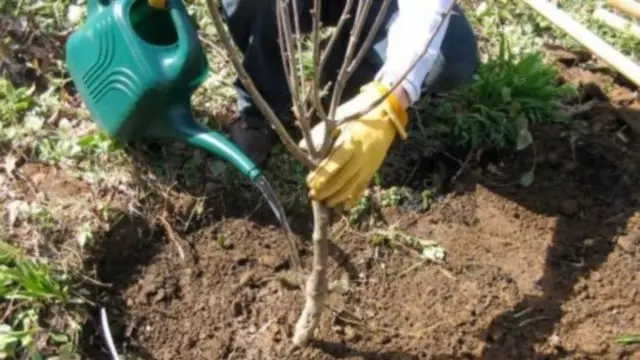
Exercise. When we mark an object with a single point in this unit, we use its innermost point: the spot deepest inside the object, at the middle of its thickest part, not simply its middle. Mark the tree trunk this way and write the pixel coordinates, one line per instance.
(316, 288)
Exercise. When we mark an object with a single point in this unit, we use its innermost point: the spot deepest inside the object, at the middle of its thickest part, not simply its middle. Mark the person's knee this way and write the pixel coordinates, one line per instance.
(459, 57)
(468, 63)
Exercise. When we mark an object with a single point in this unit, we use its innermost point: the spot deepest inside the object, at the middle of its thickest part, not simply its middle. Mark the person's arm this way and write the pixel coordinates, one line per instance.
(415, 23)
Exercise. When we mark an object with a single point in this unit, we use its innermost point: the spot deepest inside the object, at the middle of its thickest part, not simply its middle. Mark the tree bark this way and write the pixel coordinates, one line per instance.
(317, 285)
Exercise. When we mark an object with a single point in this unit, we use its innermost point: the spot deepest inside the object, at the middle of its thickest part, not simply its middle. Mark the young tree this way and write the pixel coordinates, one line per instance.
(314, 102)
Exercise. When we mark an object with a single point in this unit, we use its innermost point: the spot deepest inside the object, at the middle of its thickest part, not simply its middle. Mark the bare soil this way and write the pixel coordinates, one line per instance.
(549, 271)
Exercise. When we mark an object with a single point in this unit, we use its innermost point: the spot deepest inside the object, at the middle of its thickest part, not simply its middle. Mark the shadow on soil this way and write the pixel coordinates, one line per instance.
(591, 196)
(589, 183)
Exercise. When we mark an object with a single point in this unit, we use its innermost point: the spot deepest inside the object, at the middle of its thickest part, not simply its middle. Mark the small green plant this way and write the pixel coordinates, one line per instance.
(33, 287)
(394, 196)
(428, 250)
(629, 339)
(364, 207)
(13, 102)
(510, 92)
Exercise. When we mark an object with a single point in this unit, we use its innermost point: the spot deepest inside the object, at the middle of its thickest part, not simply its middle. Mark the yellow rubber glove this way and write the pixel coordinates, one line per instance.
(359, 149)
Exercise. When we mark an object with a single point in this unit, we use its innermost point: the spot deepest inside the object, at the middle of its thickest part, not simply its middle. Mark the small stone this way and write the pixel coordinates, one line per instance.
(350, 334)
(270, 261)
(629, 242)
(553, 158)
(159, 296)
(569, 207)
(245, 279)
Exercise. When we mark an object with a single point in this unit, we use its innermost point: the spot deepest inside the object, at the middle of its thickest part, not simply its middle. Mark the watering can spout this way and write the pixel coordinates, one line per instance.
(212, 142)
(136, 67)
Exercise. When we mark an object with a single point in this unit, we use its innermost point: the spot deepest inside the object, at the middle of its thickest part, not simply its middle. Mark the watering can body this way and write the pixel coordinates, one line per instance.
(136, 68)
(131, 62)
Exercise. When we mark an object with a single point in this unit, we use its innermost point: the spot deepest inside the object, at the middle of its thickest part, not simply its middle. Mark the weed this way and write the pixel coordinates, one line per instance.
(14, 102)
(628, 339)
(427, 249)
(33, 288)
(510, 92)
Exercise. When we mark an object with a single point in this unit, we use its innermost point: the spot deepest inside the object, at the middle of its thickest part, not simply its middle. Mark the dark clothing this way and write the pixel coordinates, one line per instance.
(253, 26)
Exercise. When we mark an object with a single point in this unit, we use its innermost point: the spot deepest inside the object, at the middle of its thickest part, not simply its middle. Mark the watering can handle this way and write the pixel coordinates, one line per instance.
(188, 39)
(95, 6)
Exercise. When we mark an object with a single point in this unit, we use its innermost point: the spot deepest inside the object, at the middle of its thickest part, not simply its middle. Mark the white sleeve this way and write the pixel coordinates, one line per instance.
(414, 24)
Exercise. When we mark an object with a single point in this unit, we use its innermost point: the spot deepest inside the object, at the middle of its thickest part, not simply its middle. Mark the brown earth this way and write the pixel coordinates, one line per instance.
(548, 271)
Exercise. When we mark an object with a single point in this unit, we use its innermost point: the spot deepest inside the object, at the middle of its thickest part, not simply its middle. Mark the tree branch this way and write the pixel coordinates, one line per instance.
(266, 110)
(317, 72)
(361, 15)
(414, 62)
(348, 67)
(290, 62)
(316, 286)
(319, 69)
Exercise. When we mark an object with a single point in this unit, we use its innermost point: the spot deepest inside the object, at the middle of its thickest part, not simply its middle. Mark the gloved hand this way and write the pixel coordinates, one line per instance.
(359, 149)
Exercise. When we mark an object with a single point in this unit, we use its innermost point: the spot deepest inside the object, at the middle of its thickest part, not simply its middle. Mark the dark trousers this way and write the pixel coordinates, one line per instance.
(253, 26)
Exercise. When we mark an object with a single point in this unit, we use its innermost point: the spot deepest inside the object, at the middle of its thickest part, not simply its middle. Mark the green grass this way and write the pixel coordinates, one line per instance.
(511, 91)
(32, 290)
(528, 30)
(629, 339)
(515, 88)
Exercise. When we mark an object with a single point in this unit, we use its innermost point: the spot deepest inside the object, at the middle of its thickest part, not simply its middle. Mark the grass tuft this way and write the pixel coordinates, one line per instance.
(510, 92)
(34, 292)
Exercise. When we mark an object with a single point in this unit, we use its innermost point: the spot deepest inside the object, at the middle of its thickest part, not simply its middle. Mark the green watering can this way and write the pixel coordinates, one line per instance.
(136, 68)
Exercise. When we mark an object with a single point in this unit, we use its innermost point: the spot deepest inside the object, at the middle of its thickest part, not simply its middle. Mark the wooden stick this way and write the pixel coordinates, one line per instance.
(616, 22)
(630, 7)
(588, 39)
